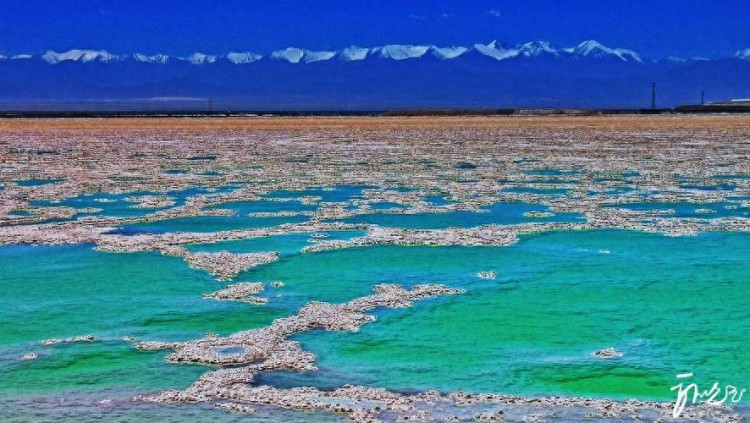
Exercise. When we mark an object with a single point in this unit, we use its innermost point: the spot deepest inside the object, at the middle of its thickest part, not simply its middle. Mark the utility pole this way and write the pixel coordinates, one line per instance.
(210, 105)
(703, 97)
(653, 95)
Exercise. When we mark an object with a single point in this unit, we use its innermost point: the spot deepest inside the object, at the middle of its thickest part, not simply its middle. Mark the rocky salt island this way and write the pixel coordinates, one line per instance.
(240, 292)
(224, 265)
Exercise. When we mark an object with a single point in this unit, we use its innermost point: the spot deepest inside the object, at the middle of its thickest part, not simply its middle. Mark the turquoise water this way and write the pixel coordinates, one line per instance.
(386, 206)
(211, 223)
(716, 187)
(20, 213)
(685, 209)
(671, 305)
(59, 292)
(438, 200)
(737, 176)
(114, 205)
(287, 245)
(37, 182)
(247, 207)
(242, 210)
(338, 193)
(498, 214)
(240, 219)
(720, 183)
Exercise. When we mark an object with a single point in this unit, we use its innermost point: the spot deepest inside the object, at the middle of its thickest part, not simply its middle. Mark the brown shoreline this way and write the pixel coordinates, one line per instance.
(377, 122)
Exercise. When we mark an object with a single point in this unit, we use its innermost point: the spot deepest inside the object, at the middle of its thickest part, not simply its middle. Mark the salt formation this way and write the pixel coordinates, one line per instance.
(623, 160)
(224, 265)
(71, 340)
(240, 292)
(600, 169)
(260, 344)
(538, 215)
(151, 201)
(81, 338)
(607, 353)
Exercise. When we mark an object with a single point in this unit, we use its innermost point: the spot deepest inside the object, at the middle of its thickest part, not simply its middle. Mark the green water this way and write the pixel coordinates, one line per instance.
(671, 305)
(59, 292)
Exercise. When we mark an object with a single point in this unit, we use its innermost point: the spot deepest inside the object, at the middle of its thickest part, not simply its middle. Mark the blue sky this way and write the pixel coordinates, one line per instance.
(655, 28)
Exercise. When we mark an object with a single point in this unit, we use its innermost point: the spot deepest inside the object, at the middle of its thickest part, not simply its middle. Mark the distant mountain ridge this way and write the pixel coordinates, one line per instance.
(492, 75)
(494, 49)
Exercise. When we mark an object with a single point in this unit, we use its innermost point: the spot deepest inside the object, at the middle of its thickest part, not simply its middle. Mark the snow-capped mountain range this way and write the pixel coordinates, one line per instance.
(494, 49)
(493, 75)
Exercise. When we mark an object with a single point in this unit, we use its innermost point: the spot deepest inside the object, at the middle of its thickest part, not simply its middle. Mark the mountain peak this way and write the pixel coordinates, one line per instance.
(200, 58)
(157, 58)
(400, 51)
(496, 50)
(84, 56)
(352, 53)
(593, 48)
(289, 54)
(317, 56)
(589, 46)
(242, 58)
(536, 48)
(297, 55)
(448, 52)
